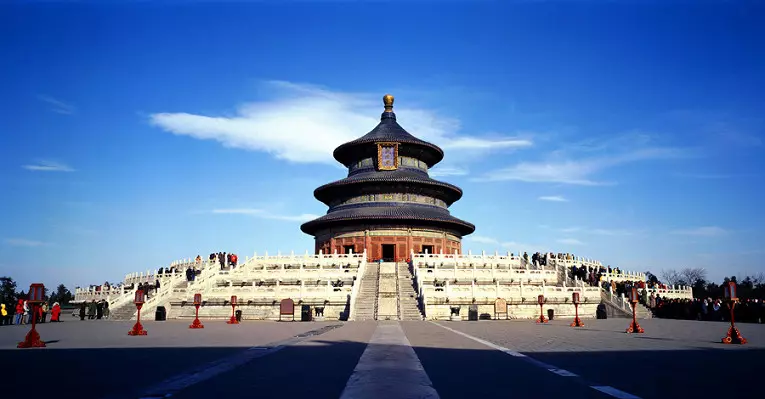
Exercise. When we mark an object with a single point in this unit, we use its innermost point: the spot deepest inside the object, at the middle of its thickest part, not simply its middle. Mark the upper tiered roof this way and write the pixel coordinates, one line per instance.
(388, 130)
(377, 177)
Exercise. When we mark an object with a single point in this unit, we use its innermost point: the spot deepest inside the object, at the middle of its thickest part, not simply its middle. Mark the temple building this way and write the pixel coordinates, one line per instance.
(388, 205)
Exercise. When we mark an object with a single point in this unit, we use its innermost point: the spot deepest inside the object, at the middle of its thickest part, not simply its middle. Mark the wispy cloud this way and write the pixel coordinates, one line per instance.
(581, 171)
(58, 106)
(48, 166)
(594, 231)
(445, 171)
(506, 245)
(570, 241)
(264, 214)
(280, 125)
(705, 231)
(23, 242)
(553, 198)
(711, 176)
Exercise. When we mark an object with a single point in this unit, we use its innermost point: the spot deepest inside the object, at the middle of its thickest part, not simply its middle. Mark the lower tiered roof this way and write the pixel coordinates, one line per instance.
(392, 213)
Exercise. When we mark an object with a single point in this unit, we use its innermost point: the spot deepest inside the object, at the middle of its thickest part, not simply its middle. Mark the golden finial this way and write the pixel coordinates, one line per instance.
(388, 101)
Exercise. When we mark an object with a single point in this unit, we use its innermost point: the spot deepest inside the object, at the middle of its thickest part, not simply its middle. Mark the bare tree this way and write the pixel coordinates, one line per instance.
(692, 275)
(670, 277)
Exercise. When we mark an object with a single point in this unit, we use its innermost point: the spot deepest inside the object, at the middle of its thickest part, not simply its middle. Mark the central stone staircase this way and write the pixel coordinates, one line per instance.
(408, 308)
(365, 307)
(123, 312)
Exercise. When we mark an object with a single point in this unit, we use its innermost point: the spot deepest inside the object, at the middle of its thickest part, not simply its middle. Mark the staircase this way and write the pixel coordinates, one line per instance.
(618, 307)
(122, 312)
(366, 301)
(408, 308)
(128, 311)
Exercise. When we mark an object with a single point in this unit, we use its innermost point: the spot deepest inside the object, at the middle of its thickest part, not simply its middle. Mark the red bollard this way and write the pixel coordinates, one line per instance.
(733, 336)
(32, 339)
(634, 326)
(577, 322)
(137, 327)
(233, 320)
(541, 301)
(197, 303)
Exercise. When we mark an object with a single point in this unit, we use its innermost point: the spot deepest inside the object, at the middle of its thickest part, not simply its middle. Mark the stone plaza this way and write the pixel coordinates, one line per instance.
(392, 359)
(388, 306)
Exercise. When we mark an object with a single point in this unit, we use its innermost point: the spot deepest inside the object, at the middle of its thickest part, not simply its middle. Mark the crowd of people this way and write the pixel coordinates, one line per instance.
(94, 310)
(708, 309)
(24, 313)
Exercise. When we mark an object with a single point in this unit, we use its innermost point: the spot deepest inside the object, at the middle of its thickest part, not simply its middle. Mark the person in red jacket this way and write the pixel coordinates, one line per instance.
(55, 312)
(19, 311)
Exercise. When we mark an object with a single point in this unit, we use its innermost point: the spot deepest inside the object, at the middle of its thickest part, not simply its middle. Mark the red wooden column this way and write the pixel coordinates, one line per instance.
(409, 244)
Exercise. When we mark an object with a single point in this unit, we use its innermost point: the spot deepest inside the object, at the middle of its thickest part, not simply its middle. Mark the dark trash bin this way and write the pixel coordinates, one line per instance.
(550, 314)
(473, 313)
(305, 313)
(160, 314)
(601, 312)
(238, 314)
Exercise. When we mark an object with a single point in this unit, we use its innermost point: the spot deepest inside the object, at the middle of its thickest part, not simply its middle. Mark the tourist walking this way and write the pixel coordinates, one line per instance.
(55, 312)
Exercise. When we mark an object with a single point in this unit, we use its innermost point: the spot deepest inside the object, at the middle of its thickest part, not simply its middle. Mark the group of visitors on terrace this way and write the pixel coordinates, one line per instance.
(224, 259)
(23, 313)
(94, 310)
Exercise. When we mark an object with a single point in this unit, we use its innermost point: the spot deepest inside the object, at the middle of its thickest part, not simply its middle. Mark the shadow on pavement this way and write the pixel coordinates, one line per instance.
(320, 369)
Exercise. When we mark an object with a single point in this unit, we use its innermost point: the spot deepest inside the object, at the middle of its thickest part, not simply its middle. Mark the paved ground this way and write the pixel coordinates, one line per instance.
(485, 359)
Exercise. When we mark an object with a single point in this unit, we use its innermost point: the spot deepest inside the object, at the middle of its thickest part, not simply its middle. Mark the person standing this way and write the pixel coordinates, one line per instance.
(82, 310)
(55, 313)
(43, 312)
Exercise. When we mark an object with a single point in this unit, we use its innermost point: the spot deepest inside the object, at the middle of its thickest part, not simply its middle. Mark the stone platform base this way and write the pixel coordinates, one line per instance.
(519, 311)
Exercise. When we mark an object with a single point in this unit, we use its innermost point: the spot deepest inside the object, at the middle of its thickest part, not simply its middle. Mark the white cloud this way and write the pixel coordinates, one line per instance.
(511, 246)
(48, 166)
(23, 242)
(595, 231)
(58, 105)
(482, 239)
(445, 171)
(304, 123)
(705, 231)
(570, 241)
(553, 198)
(559, 167)
(263, 214)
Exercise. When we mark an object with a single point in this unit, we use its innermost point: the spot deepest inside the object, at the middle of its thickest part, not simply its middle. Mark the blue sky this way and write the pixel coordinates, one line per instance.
(136, 134)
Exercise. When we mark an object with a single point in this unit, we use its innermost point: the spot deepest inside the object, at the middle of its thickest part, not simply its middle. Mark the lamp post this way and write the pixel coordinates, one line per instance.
(577, 321)
(197, 304)
(233, 319)
(137, 327)
(733, 336)
(541, 301)
(634, 326)
(32, 340)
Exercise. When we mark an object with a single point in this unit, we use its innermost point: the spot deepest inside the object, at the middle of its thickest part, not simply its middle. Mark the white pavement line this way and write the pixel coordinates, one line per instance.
(561, 372)
(389, 368)
(614, 392)
(167, 388)
(487, 343)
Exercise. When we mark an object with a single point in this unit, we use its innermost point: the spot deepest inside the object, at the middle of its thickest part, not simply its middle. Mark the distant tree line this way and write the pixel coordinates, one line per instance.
(9, 295)
(751, 287)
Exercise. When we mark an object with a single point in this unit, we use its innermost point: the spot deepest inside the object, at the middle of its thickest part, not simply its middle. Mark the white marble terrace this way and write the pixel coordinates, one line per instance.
(441, 279)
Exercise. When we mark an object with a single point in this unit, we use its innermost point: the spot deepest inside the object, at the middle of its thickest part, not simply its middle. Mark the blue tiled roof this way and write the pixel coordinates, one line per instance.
(398, 214)
(327, 191)
(388, 130)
